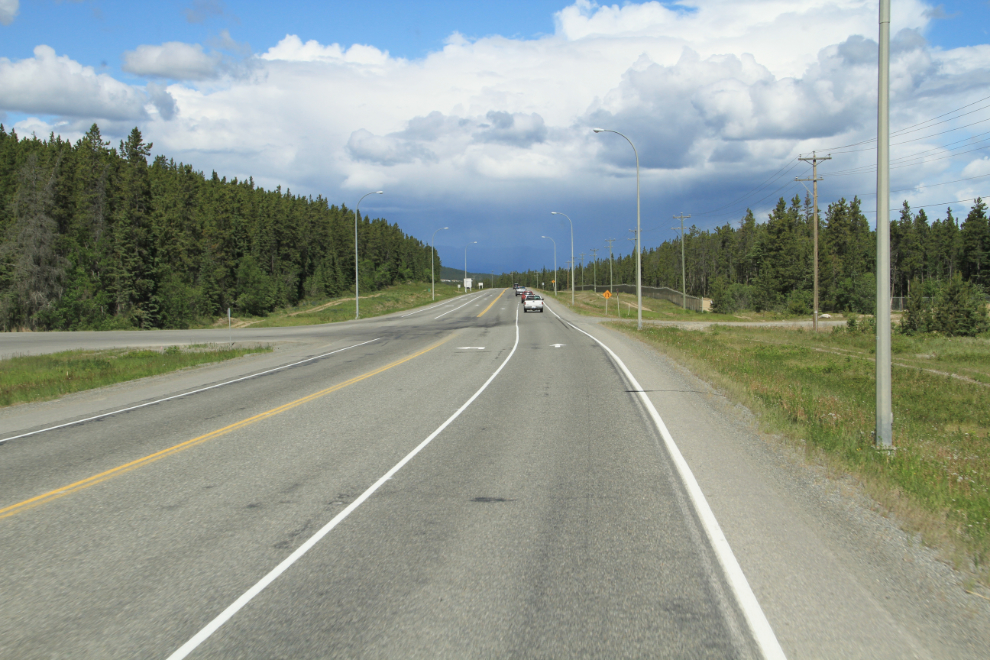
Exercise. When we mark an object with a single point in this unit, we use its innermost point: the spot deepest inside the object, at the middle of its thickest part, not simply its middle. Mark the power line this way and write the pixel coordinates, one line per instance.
(907, 129)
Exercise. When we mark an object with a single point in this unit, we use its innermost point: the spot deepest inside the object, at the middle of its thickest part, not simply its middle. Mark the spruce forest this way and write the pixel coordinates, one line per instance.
(770, 265)
(93, 237)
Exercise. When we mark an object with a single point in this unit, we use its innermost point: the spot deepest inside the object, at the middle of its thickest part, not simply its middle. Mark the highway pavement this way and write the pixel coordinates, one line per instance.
(463, 480)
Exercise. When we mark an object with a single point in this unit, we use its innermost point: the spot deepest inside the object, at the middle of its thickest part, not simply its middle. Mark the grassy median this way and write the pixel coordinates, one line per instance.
(819, 390)
(41, 377)
(396, 298)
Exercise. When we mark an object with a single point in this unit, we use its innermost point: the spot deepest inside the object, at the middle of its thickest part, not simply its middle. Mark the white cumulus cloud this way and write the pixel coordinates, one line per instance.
(174, 60)
(8, 10)
(57, 85)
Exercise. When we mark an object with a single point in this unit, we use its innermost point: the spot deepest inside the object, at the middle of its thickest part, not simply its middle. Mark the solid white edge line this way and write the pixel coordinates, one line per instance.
(234, 607)
(755, 618)
(179, 396)
(457, 308)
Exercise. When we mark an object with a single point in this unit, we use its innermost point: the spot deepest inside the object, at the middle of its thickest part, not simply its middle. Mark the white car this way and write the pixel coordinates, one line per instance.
(533, 303)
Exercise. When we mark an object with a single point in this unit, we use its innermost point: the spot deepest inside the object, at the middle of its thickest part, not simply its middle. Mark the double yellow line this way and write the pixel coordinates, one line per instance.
(151, 458)
(493, 303)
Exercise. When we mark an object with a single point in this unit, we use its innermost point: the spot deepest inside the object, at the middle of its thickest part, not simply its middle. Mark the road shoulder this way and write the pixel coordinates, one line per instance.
(834, 577)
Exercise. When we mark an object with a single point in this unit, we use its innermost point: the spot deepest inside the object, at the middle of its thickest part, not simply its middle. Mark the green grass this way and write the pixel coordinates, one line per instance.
(820, 390)
(393, 299)
(42, 377)
(623, 306)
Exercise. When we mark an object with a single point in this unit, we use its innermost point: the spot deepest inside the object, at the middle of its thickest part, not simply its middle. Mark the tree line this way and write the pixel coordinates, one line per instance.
(93, 237)
(769, 265)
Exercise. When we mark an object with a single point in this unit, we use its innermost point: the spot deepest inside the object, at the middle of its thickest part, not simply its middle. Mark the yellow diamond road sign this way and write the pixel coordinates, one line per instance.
(607, 294)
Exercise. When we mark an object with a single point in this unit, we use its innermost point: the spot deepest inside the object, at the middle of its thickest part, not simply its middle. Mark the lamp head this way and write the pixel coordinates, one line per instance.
(554, 213)
(598, 130)
(379, 192)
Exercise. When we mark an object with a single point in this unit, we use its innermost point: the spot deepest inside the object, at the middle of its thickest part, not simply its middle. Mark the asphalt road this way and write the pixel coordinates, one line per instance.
(461, 481)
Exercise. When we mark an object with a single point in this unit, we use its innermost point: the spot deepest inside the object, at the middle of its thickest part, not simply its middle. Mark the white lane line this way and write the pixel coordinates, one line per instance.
(246, 598)
(179, 396)
(755, 618)
(470, 348)
(428, 307)
(455, 309)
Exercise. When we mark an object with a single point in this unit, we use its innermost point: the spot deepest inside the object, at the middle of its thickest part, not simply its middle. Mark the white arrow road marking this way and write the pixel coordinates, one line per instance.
(558, 345)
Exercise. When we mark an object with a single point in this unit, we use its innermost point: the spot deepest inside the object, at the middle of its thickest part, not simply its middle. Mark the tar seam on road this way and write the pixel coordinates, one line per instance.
(13, 509)
(755, 618)
(492, 304)
(226, 615)
(457, 308)
(179, 396)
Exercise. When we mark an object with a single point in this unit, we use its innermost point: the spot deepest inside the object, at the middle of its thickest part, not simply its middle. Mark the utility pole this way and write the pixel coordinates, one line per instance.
(683, 269)
(582, 271)
(815, 178)
(611, 285)
(885, 412)
(594, 272)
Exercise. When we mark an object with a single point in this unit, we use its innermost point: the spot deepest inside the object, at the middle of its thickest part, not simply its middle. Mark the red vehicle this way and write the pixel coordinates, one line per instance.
(523, 294)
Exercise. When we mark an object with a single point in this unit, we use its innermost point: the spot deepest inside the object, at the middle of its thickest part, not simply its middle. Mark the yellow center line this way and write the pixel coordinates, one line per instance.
(151, 458)
(493, 302)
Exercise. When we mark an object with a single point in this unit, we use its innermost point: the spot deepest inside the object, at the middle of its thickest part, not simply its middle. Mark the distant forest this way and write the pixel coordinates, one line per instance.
(93, 237)
(769, 265)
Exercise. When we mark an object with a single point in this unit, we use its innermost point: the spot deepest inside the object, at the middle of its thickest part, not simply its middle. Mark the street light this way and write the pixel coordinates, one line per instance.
(639, 274)
(572, 250)
(465, 262)
(357, 214)
(433, 285)
(554, 264)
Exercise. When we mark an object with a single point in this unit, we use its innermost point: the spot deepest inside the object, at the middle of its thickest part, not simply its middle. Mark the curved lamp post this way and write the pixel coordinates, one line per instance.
(357, 214)
(465, 260)
(639, 269)
(572, 251)
(554, 264)
(433, 285)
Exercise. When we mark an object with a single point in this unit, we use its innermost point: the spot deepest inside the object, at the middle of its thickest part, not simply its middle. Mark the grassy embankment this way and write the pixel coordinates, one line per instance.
(819, 391)
(393, 299)
(623, 306)
(41, 377)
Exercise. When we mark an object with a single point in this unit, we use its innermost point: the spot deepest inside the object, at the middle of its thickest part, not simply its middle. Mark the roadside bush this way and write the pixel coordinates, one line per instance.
(958, 310)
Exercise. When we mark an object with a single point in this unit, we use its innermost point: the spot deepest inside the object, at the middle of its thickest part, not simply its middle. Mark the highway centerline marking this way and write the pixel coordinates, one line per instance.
(246, 598)
(151, 458)
(750, 606)
(179, 396)
(493, 302)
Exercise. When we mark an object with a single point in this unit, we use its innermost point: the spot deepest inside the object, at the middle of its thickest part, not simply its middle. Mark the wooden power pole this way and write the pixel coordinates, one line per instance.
(814, 159)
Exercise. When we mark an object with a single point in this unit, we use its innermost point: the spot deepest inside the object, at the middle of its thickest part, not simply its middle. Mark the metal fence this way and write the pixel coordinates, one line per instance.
(658, 293)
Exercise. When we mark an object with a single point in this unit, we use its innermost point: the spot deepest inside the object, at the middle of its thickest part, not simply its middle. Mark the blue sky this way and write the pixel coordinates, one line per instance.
(478, 115)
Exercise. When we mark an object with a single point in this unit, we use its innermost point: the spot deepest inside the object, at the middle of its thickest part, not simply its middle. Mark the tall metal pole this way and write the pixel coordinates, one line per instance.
(572, 251)
(639, 251)
(885, 413)
(814, 177)
(683, 269)
(357, 214)
(582, 271)
(433, 285)
(554, 265)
